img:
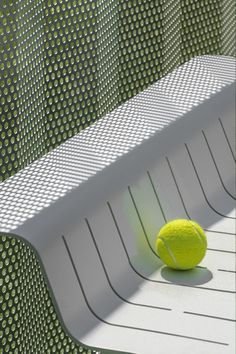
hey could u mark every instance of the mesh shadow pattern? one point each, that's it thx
(63, 65)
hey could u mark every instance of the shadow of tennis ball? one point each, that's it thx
(196, 276)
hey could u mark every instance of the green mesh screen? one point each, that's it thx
(28, 320)
(63, 65)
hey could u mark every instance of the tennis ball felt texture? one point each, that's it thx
(181, 244)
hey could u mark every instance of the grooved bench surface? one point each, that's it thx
(92, 208)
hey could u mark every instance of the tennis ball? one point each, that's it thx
(181, 244)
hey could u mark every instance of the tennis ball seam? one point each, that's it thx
(169, 251)
(197, 232)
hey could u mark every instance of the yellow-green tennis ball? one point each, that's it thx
(181, 244)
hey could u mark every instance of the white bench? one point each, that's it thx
(92, 207)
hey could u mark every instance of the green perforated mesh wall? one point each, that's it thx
(63, 65)
(28, 320)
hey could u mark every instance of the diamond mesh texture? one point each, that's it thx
(63, 65)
